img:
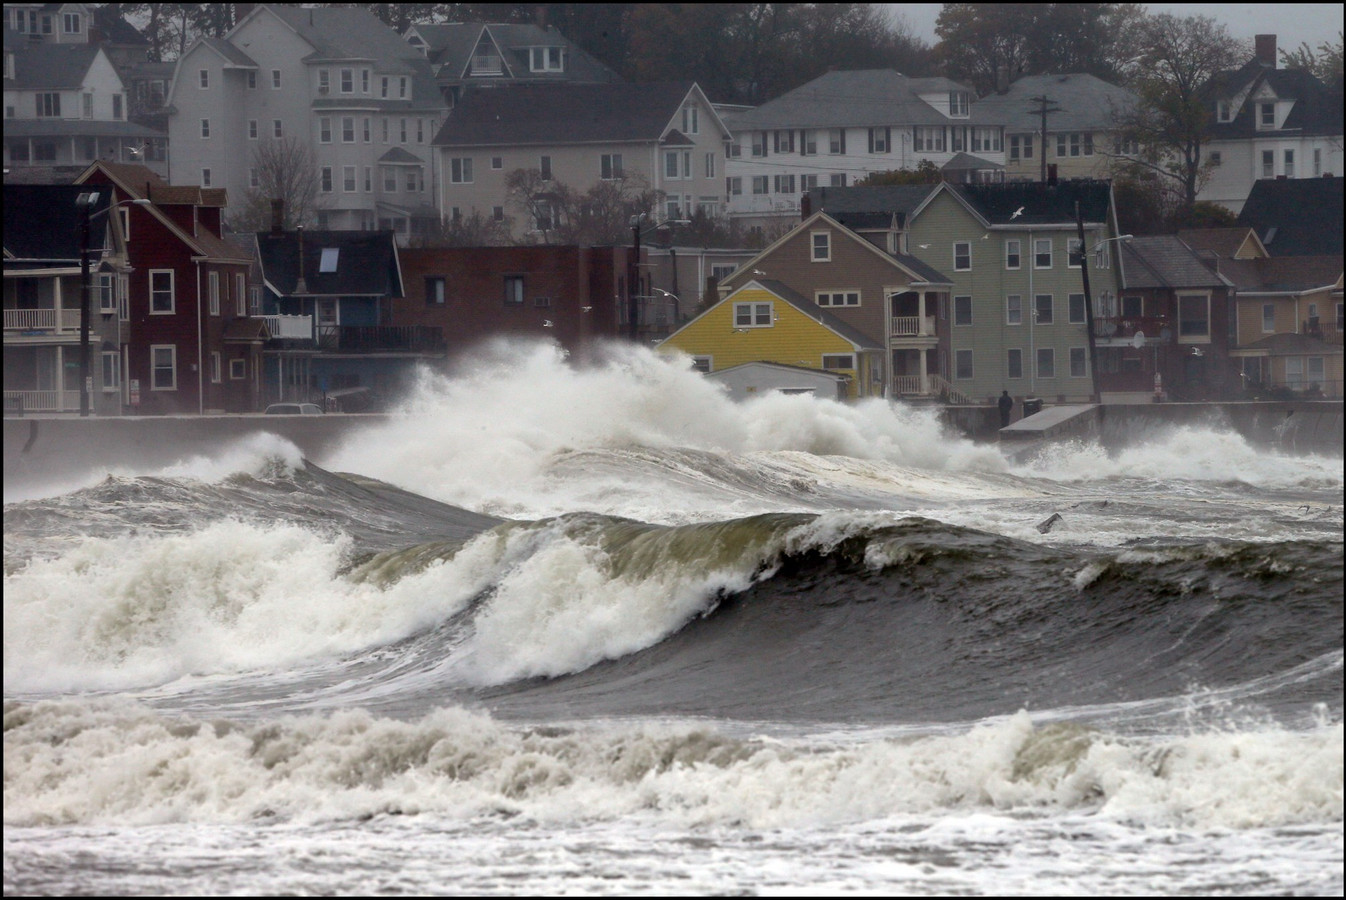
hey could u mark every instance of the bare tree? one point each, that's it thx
(286, 170)
(1177, 58)
(473, 230)
(560, 214)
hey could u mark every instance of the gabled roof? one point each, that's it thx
(858, 339)
(1083, 103)
(1289, 343)
(43, 223)
(899, 199)
(137, 182)
(1296, 216)
(354, 34)
(1021, 204)
(366, 263)
(451, 46)
(1316, 109)
(916, 270)
(960, 162)
(233, 56)
(1163, 261)
(857, 98)
(543, 114)
(1224, 243)
(55, 67)
(1283, 274)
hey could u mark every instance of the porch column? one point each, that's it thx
(925, 379)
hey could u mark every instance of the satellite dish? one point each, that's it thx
(1139, 340)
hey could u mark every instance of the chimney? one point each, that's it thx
(806, 205)
(1002, 79)
(540, 16)
(277, 216)
(1265, 49)
(299, 286)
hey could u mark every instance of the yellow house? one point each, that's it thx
(765, 321)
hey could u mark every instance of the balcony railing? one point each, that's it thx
(42, 319)
(1126, 327)
(906, 384)
(290, 328)
(42, 401)
(913, 326)
(487, 65)
(381, 338)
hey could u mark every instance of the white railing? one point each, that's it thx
(44, 401)
(41, 319)
(487, 65)
(907, 384)
(940, 384)
(913, 326)
(290, 327)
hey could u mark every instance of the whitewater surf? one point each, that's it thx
(599, 629)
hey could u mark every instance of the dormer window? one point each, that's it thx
(486, 61)
(1266, 115)
(545, 59)
(1222, 111)
(958, 102)
(72, 23)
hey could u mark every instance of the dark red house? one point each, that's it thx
(192, 345)
(572, 294)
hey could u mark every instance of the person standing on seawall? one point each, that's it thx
(1006, 404)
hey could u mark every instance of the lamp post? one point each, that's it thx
(633, 279)
(1088, 301)
(84, 203)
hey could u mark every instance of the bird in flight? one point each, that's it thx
(1017, 213)
(546, 323)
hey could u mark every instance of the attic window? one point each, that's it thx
(328, 263)
(545, 59)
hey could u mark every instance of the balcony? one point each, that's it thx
(912, 326)
(43, 321)
(289, 328)
(381, 339)
(1115, 330)
(487, 64)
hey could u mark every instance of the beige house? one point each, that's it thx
(666, 137)
(891, 298)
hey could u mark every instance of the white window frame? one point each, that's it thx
(835, 298)
(112, 374)
(238, 369)
(754, 314)
(1037, 252)
(833, 362)
(1014, 309)
(1083, 357)
(213, 292)
(820, 250)
(460, 170)
(1010, 354)
(1048, 354)
(171, 292)
(1051, 309)
(966, 255)
(172, 367)
(1017, 254)
(216, 367)
(350, 179)
(240, 294)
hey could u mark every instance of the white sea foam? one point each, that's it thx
(490, 436)
(110, 762)
(1187, 453)
(146, 609)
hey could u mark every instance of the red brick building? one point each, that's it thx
(571, 294)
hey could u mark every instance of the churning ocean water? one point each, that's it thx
(600, 630)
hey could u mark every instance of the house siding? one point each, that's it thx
(792, 339)
(944, 222)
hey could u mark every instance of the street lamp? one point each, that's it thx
(85, 203)
(633, 279)
(1088, 301)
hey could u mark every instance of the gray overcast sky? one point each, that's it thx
(1292, 23)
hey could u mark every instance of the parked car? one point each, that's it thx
(294, 409)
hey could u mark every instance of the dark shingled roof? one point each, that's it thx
(847, 204)
(1163, 261)
(1042, 204)
(451, 46)
(51, 67)
(42, 221)
(1316, 109)
(817, 313)
(366, 262)
(1305, 214)
(1285, 274)
(562, 114)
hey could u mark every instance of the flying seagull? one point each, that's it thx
(1017, 213)
(924, 246)
(758, 272)
(136, 151)
(986, 235)
(546, 323)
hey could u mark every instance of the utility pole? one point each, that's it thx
(1088, 302)
(1046, 105)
